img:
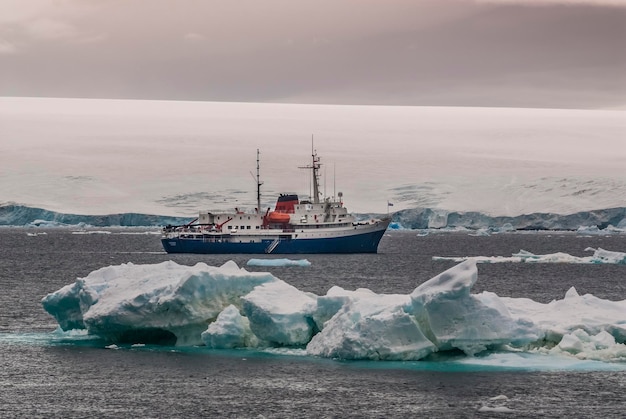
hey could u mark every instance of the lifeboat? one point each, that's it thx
(278, 217)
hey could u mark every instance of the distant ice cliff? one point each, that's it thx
(413, 219)
(426, 218)
(19, 215)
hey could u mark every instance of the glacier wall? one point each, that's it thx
(20, 215)
(427, 218)
(414, 219)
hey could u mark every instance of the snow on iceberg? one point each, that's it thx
(229, 307)
(598, 347)
(280, 313)
(560, 317)
(278, 262)
(370, 326)
(451, 317)
(230, 330)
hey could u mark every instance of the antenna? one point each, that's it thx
(258, 183)
(334, 180)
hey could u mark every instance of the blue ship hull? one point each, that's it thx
(356, 243)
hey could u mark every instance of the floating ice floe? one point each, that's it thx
(595, 231)
(278, 262)
(600, 256)
(229, 307)
(87, 232)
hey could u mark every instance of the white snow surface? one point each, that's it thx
(229, 307)
(86, 156)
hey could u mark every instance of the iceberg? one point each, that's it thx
(161, 303)
(228, 307)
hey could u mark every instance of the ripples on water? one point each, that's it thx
(45, 377)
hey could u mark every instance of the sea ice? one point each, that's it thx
(229, 307)
(278, 262)
(600, 256)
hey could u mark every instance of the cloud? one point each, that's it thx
(26, 22)
(17, 11)
(614, 3)
(194, 37)
(463, 52)
(91, 39)
(50, 29)
(7, 47)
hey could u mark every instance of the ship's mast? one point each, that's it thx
(315, 166)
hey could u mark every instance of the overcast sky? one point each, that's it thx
(527, 53)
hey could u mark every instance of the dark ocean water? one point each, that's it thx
(43, 375)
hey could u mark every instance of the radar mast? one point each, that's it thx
(258, 184)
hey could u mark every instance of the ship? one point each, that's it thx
(309, 226)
